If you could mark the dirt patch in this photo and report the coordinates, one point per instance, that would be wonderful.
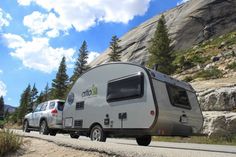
(40, 148)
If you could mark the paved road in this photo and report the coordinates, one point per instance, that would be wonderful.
(129, 148)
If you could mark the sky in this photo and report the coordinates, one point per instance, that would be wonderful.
(36, 34)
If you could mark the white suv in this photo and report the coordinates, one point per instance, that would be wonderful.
(47, 118)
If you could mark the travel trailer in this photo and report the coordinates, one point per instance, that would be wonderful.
(128, 100)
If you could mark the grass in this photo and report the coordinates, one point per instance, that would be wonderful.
(9, 142)
(232, 66)
(211, 73)
(188, 78)
(2, 122)
(198, 139)
(202, 53)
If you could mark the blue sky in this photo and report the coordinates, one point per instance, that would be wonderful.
(35, 34)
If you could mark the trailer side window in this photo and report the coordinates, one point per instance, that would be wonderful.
(178, 96)
(125, 88)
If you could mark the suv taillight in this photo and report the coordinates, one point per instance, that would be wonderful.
(54, 112)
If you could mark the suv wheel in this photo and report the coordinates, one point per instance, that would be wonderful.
(144, 140)
(26, 126)
(43, 128)
(97, 134)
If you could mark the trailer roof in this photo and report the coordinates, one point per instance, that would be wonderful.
(156, 75)
(168, 79)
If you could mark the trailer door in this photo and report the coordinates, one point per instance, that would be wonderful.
(121, 91)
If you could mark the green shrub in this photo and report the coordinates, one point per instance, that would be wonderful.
(198, 59)
(9, 142)
(188, 78)
(211, 73)
(231, 66)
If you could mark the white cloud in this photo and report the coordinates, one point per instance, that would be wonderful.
(92, 56)
(80, 14)
(3, 89)
(1, 71)
(4, 19)
(39, 24)
(182, 1)
(24, 2)
(37, 54)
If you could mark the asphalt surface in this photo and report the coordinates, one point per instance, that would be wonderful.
(129, 148)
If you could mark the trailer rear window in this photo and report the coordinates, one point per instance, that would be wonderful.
(125, 88)
(178, 96)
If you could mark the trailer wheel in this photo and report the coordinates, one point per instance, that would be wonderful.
(144, 140)
(97, 134)
(26, 126)
(74, 135)
(43, 128)
(53, 133)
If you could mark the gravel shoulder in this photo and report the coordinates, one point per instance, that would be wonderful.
(128, 147)
(33, 147)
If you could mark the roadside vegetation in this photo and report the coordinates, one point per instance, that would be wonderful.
(232, 66)
(9, 142)
(199, 56)
(227, 140)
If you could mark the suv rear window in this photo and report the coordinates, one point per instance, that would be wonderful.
(60, 105)
(51, 105)
(125, 88)
(178, 96)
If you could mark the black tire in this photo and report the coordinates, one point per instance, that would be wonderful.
(97, 134)
(74, 135)
(26, 126)
(53, 133)
(144, 140)
(43, 128)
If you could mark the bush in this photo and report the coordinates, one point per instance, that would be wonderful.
(232, 66)
(9, 142)
(2, 123)
(188, 78)
(211, 73)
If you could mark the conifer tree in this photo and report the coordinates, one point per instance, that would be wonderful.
(60, 83)
(34, 96)
(160, 50)
(46, 93)
(1, 107)
(81, 62)
(40, 98)
(24, 103)
(115, 49)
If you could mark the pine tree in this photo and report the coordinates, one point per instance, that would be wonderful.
(60, 83)
(46, 93)
(40, 98)
(81, 62)
(24, 103)
(34, 96)
(1, 107)
(160, 50)
(115, 49)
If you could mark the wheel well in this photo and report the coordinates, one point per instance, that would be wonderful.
(93, 126)
(42, 120)
(25, 120)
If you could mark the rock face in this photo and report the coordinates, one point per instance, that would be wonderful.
(188, 24)
(221, 99)
(219, 123)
